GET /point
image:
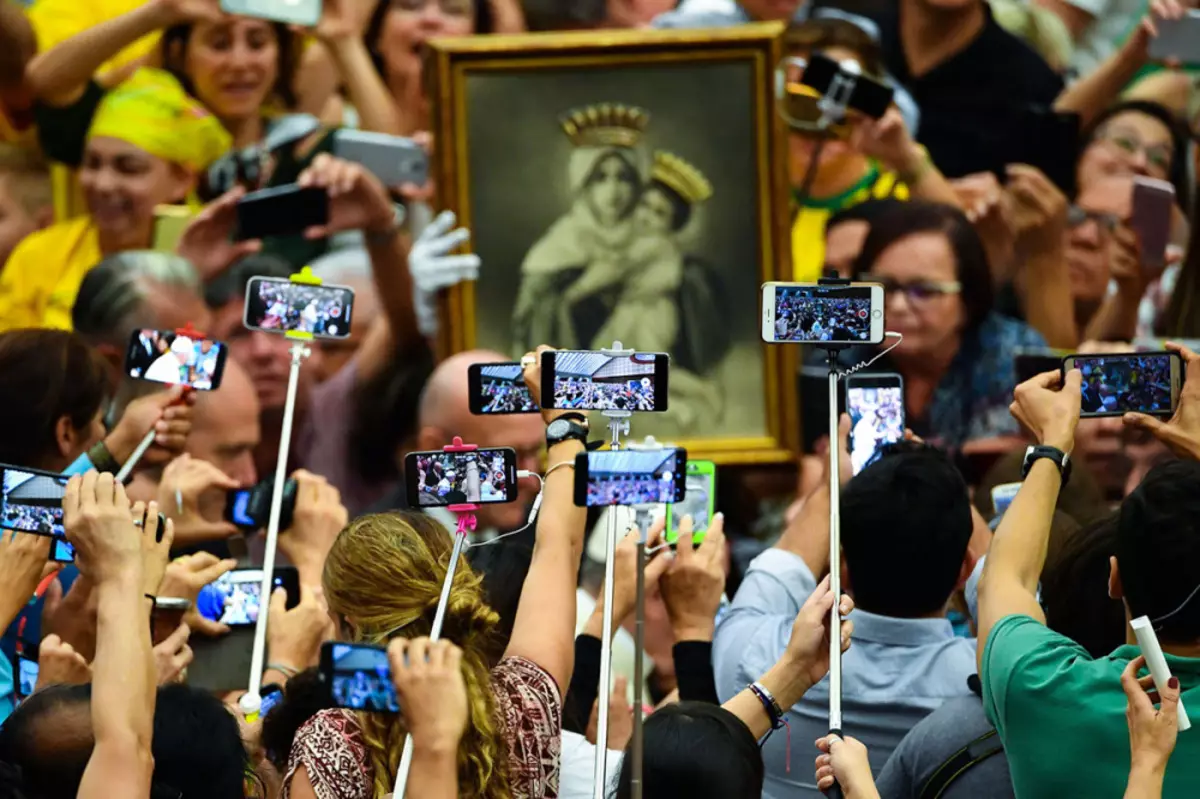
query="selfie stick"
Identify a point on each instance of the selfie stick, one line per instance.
(466, 522)
(618, 423)
(835, 541)
(251, 701)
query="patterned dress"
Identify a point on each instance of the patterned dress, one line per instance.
(330, 744)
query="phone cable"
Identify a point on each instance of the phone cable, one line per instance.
(859, 367)
(533, 512)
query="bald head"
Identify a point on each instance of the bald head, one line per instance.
(444, 402)
(225, 427)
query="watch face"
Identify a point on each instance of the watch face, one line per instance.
(559, 427)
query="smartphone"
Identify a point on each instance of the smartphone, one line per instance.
(62, 551)
(593, 381)
(358, 677)
(699, 501)
(630, 477)
(234, 597)
(1177, 39)
(1029, 363)
(165, 356)
(31, 501)
(1153, 201)
(250, 508)
(305, 13)
(1141, 382)
(868, 96)
(281, 211)
(440, 479)
(809, 313)
(499, 388)
(876, 407)
(279, 305)
(169, 223)
(27, 675)
(395, 160)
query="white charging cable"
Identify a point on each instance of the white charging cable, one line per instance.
(533, 511)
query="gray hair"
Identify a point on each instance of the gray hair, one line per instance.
(112, 297)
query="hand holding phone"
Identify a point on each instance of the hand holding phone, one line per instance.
(358, 677)
(234, 598)
(433, 695)
(1178, 39)
(1132, 382)
(699, 502)
(394, 160)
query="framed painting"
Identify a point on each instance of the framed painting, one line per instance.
(625, 186)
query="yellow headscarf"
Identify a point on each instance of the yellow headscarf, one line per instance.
(151, 110)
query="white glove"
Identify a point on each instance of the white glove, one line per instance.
(433, 269)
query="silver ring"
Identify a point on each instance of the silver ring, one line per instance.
(528, 360)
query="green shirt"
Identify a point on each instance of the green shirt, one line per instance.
(1061, 715)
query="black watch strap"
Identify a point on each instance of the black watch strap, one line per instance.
(1053, 454)
(576, 416)
(574, 431)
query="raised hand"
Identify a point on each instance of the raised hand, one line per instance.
(168, 413)
(357, 200)
(156, 545)
(429, 683)
(192, 493)
(1039, 208)
(433, 267)
(1182, 432)
(625, 577)
(318, 518)
(173, 656)
(98, 522)
(184, 578)
(207, 241)
(294, 637)
(60, 664)
(807, 653)
(693, 584)
(1048, 408)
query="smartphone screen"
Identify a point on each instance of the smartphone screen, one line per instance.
(281, 211)
(235, 598)
(31, 501)
(164, 356)
(441, 479)
(27, 676)
(1129, 382)
(283, 306)
(592, 381)
(876, 407)
(699, 501)
(237, 508)
(811, 313)
(359, 677)
(630, 477)
(499, 388)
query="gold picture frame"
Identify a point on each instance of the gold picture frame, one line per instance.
(502, 105)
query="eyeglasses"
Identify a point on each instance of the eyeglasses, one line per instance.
(918, 292)
(453, 8)
(1076, 216)
(1159, 156)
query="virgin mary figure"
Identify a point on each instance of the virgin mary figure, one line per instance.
(594, 235)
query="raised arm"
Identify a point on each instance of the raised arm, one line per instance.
(1040, 219)
(99, 522)
(889, 141)
(341, 32)
(1018, 552)
(544, 630)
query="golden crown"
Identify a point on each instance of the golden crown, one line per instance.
(687, 181)
(605, 125)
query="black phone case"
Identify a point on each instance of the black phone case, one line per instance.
(282, 211)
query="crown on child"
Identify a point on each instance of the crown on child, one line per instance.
(682, 177)
(605, 125)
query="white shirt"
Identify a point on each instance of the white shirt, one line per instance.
(1112, 24)
(577, 767)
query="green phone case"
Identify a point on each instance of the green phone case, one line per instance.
(699, 500)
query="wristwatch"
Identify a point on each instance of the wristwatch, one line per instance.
(566, 427)
(1053, 454)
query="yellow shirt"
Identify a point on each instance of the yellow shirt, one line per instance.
(42, 276)
(808, 224)
(55, 21)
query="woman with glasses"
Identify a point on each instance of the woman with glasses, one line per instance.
(1136, 137)
(956, 355)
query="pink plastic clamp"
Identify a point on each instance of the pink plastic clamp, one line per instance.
(466, 511)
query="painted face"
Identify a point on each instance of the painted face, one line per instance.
(654, 213)
(1131, 143)
(610, 190)
(409, 24)
(122, 184)
(233, 65)
(930, 324)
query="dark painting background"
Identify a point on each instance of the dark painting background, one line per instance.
(518, 187)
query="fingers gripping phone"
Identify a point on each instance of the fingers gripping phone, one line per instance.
(395, 160)
(278, 305)
(358, 677)
(235, 598)
(630, 477)
(699, 501)
(250, 508)
(809, 313)
(165, 356)
(499, 388)
(441, 479)
(594, 381)
(876, 407)
(1131, 382)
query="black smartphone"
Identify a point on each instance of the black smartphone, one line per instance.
(235, 597)
(31, 501)
(358, 677)
(27, 672)
(1029, 363)
(281, 211)
(166, 356)
(441, 479)
(630, 477)
(499, 388)
(1137, 382)
(876, 407)
(250, 508)
(593, 381)
(278, 305)
(868, 96)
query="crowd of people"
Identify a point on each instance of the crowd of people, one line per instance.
(986, 650)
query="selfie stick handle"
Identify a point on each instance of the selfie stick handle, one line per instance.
(130, 464)
(299, 351)
(466, 523)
